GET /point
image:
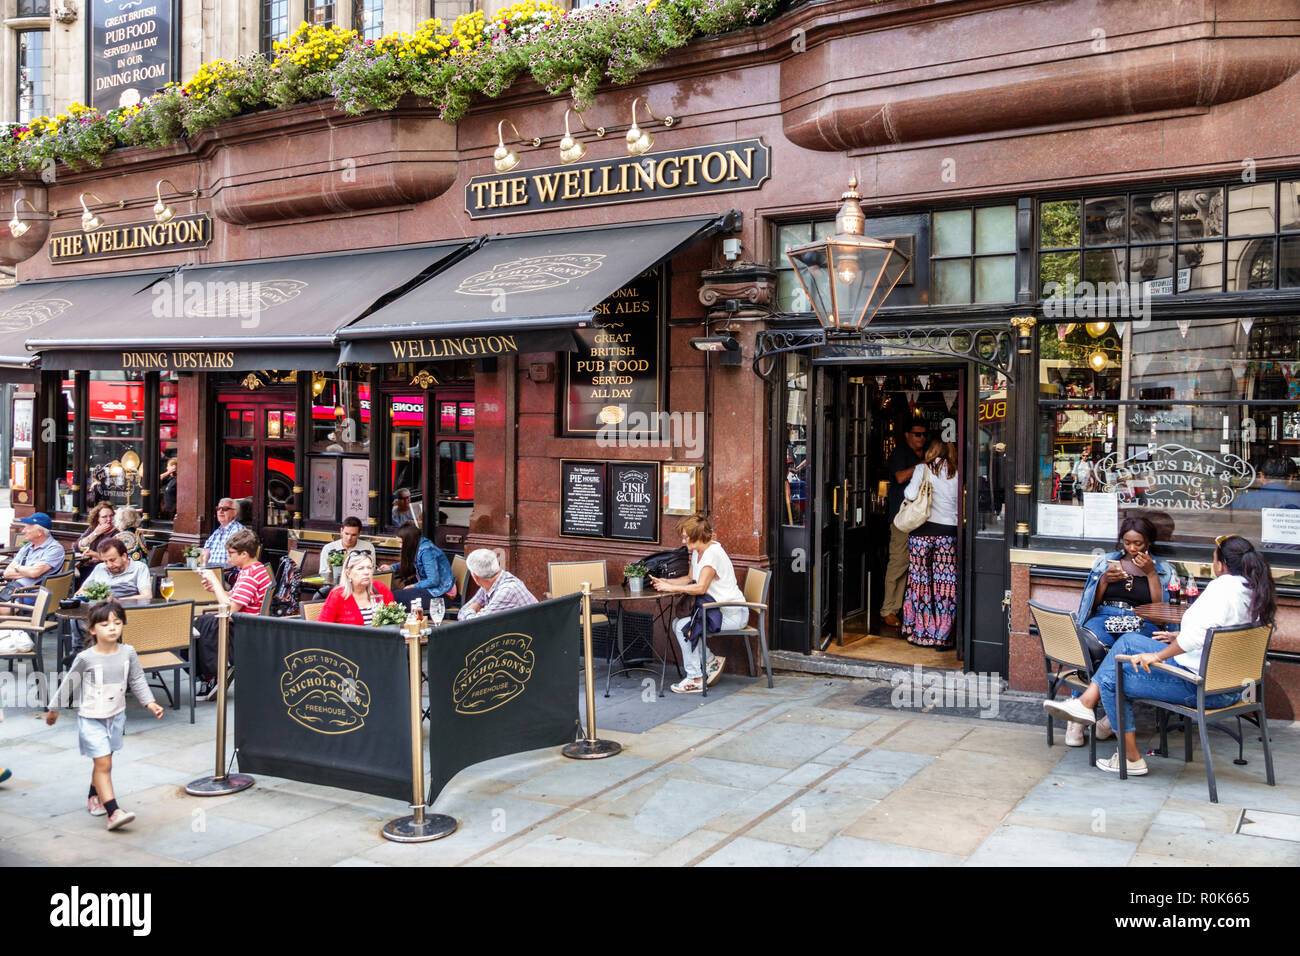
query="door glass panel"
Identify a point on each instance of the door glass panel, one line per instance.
(168, 419)
(64, 461)
(796, 443)
(406, 414)
(116, 437)
(279, 486)
(994, 418)
(239, 471)
(455, 482)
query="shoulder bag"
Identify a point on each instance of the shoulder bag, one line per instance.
(916, 512)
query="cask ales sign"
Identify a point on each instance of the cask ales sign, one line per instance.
(693, 171)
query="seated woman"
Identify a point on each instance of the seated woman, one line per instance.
(1123, 580)
(354, 601)
(127, 523)
(100, 526)
(1241, 593)
(422, 571)
(712, 575)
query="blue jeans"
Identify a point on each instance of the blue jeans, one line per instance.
(1157, 684)
(1097, 624)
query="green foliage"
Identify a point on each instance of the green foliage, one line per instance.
(388, 614)
(96, 591)
(637, 569)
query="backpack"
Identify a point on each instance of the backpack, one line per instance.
(285, 601)
(669, 564)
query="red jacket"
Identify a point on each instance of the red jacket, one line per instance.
(341, 607)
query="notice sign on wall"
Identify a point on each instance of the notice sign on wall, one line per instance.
(613, 382)
(131, 51)
(1280, 526)
(609, 500)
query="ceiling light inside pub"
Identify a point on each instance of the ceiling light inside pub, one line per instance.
(505, 158)
(638, 140)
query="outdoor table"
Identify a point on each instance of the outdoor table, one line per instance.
(67, 615)
(1161, 613)
(618, 595)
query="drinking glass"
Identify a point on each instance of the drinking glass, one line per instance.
(166, 587)
(437, 609)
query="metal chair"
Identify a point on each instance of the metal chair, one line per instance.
(34, 620)
(158, 632)
(757, 583)
(1067, 645)
(1233, 658)
(459, 573)
(158, 555)
(189, 587)
(310, 610)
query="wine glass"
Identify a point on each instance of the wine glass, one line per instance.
(437, 610)
(166, 587)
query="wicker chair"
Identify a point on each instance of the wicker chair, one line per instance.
(310, 610)
(385, 578)
(34, 619)
(757, 584)
(158, 632)
(189, 587)
(1065, 644)
(1233, 658)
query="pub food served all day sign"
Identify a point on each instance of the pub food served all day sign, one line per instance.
(131, 50)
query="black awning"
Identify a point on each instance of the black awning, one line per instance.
(517, 293)
(277, 313)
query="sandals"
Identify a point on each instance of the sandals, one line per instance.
(691, 685)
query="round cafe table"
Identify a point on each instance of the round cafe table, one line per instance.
(1161, 613)
(615, 596)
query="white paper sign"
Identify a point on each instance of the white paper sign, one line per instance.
(1060, 521)
(679, 491)
(1280, 525)
(1101, 515)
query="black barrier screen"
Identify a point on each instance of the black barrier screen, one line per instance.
(323, 703)
(502, 684)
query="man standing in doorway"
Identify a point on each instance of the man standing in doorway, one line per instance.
(900, 466)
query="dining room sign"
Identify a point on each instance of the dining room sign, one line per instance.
(131, 50)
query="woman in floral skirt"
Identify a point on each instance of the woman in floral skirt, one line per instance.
(930, 605)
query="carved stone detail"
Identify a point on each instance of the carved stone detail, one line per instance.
(752, 288)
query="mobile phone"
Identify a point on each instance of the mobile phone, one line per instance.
(1116, 566)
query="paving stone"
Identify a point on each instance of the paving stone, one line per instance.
(686, 849)
(754, 807)
(1189, 815)
(1095, 805)
(555, 850)
(679, 806)
(729, 773)
(946, 822)
(926, 735)
(981, 774)
(781, 745)
(852, 719)
(1219, 848)
(1011, 845)
(812, 819)
(321, 840)
(579, 779)
(850, 851)
(746, 851)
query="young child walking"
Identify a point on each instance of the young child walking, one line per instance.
(105, 669)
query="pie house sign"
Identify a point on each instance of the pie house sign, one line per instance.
(693, 171)
(1173, 476)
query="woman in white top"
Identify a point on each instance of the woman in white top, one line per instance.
(930, 605)
(711, 574)
(1241, 593)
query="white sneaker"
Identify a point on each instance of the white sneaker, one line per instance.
(1075, 735)
(1069, 709)
(1136, 768)
(1104, 729)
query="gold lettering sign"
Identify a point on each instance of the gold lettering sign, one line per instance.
(495, 673)
(185, 361)
(322, 692)
(694, 171)
(131, 239)
(467, 346)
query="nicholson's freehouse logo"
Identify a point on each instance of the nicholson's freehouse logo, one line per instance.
(323, 691)
(531, 274)
(30, 314)
(495, 673)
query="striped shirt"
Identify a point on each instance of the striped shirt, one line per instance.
(507, 592)
(251, 587)
(368, 614)
(216, 543)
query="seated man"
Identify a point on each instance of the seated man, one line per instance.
(349, 540)
(215, 548)
(402, 511)
(36, 560)
(245, 597)
(124, 577)
(499, 590)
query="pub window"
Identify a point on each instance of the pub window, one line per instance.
(368, 18)
(340, 420)
(168, 447)
(274, 23)
(115, 438)
(33, 64)
(320, 14)
(973, 255)
(65, 461)
(33, 8)
(1194, 423)
(1229, 237)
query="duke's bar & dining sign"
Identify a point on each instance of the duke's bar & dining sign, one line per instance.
(694, 171)
(132, 239)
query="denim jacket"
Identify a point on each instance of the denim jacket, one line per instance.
(432, 569)
(1163, 568)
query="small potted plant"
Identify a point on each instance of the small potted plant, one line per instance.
(335, 560)
(635, 573)
(192, 553)
(96, 591)
(388, 615)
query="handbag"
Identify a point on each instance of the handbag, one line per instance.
(916, 512)
(668, 564)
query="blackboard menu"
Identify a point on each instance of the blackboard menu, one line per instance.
(634, 502)
(614, 380)
(131, 54)
(601, 499)
(582, 499)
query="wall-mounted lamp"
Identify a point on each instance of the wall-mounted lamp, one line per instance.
(505, 158)
(18, 228)
(572, 149)
(638, 140)
(89, 221)
(162, 212)
(728, 349)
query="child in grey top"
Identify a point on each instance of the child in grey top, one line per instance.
(104, 671)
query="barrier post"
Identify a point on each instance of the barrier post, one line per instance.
(590, 748)
(419, 827)
(220, 783)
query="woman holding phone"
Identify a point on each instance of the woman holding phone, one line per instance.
(1123, 580)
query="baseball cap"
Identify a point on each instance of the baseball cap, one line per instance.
(40, 518)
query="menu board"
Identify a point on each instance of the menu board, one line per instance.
(634, 502)
(614, 380)
(582, 499)
(131, 51)
(601, 499)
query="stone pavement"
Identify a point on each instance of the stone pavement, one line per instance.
(797, 775)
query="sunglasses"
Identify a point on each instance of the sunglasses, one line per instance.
(918, 434)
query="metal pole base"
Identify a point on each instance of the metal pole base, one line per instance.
(592, 749)
(219, 786)
(406, 830)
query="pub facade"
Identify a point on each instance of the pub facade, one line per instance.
(1099, 307)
